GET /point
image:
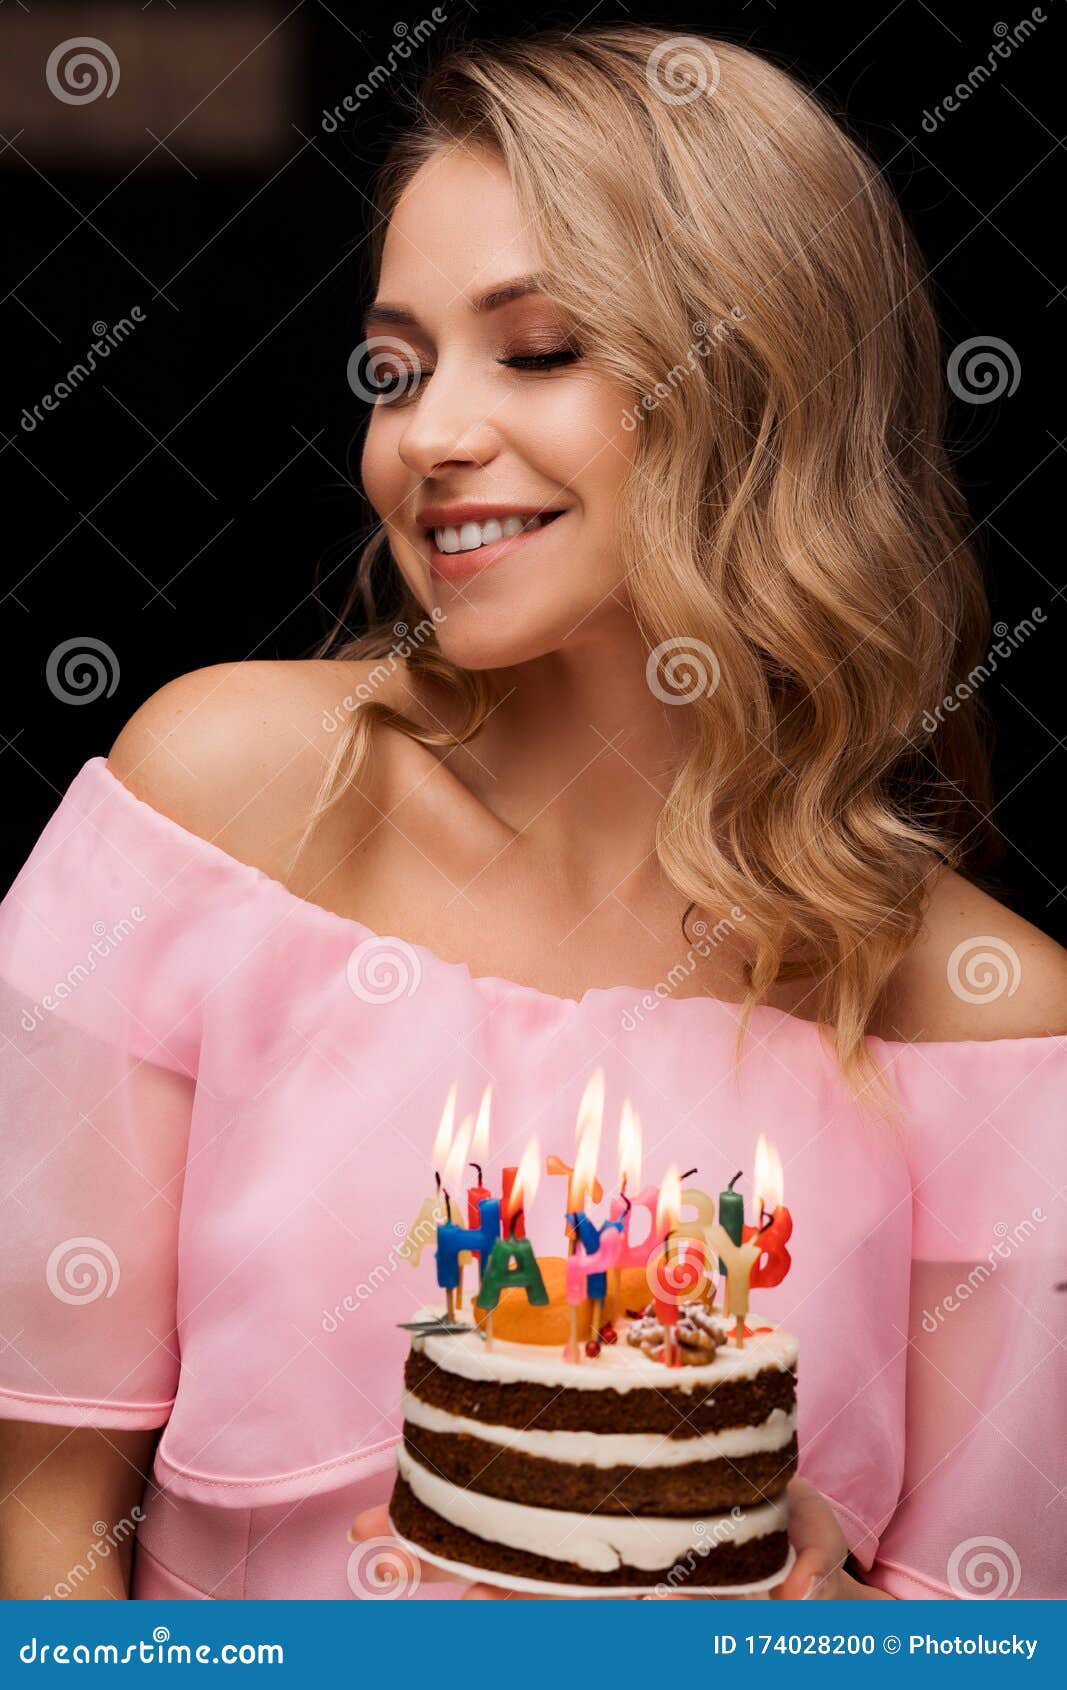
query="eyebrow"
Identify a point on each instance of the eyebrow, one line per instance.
(382, 314)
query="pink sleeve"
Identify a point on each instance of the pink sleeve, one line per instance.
(97, 1065)
(982, 1510)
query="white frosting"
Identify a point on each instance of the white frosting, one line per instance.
(597, 1542)
(618, 1367)
(610, 1449)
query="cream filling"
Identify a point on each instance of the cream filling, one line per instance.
(610, 1449)
(618, 1367)
(598, 1542)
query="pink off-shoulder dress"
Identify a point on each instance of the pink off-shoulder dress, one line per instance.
(218, 1104)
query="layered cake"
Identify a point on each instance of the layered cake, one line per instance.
(613, 1471)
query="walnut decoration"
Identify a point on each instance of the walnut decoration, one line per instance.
(698, 1333)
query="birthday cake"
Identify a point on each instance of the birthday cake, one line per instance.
(608, 1471)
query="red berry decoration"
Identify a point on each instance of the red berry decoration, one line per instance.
(608, 1335)
(592, 1348)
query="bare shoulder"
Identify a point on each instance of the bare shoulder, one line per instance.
(235, 752)
(977, 971)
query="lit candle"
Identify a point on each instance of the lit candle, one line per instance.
(739, 1260)
(772, 1235)
(508, 1179)
(448, 1266)
(479, 1156)
(668, 1213)
(512, 1261)
(636, 1255)
(434, 1212)
(587, 1274)
(453, 1241)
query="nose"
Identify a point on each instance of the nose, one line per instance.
(450, 423)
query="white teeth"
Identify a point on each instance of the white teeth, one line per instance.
(470, 535)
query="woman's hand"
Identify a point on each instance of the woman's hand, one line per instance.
(821, 1547)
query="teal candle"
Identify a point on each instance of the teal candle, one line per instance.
(731, 1213)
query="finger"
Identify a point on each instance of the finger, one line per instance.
(372, 1528)
(809, 1573)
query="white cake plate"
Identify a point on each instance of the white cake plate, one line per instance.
(586, 1592)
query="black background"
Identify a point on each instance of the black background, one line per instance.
(235, 536)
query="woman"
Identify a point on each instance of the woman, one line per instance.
(677, 593)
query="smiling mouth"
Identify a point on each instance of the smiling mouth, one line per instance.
(492, 542)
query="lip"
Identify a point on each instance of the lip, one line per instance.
(460, 566)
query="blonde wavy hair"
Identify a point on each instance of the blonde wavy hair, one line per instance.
(791, 506)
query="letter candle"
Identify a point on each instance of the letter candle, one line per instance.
(512, 1261)
(479, 1151)
(586, 1275)
(434, 1212)
(732, 1213)
(774, 1230)
(668, 1214)
(448, 1247)
(739, 1260)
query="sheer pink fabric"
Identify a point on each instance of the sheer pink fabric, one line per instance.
(218, 1108)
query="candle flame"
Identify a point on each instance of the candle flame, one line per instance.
(629, 1148)
(527, 1178)
(669, 1201)
(444, 1132)
(456, 1160)
(591, 1108)
(767, 1178)
(480, 1141)
(583, 1175)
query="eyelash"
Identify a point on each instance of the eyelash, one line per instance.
(530, 362)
